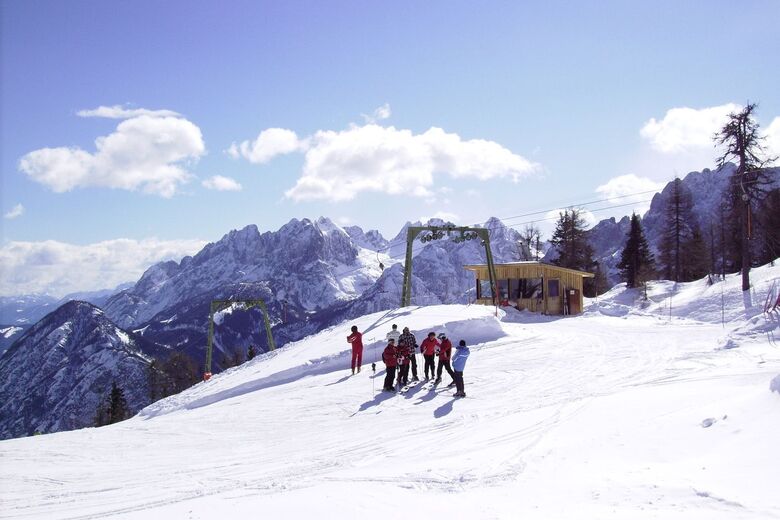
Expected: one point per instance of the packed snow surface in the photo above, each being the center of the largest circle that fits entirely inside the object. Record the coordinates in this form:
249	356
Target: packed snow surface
627	411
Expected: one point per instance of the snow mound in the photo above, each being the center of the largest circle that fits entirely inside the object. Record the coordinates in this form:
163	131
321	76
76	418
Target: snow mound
328	351
774	385
718	302
512	315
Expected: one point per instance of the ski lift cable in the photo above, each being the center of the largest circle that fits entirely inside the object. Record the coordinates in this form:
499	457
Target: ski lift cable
400	241
417	249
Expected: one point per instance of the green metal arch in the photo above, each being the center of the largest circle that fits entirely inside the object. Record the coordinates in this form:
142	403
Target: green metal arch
218	305
439	232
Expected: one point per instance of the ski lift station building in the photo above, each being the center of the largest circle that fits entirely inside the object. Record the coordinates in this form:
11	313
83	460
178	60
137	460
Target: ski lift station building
535	286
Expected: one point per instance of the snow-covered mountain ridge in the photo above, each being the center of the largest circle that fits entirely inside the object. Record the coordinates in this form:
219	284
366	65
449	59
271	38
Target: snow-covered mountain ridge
308	264
707	188
590	416
54	376
312	274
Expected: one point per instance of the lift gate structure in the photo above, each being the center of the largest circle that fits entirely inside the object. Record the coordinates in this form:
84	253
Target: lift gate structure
462	234
220	305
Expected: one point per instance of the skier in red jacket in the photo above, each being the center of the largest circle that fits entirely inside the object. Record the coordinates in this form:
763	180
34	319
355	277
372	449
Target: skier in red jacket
356	340
429	350
445	355
390	359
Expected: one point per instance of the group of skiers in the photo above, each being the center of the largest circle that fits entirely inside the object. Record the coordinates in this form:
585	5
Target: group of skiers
400	355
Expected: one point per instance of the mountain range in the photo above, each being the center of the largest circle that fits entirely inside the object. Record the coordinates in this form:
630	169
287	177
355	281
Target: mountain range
55	375
311	274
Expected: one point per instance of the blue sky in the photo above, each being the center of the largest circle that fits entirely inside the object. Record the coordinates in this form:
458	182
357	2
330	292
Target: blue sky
216	115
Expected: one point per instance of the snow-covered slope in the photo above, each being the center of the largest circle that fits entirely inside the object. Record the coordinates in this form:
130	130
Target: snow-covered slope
372	239
9	334
721	302
628	415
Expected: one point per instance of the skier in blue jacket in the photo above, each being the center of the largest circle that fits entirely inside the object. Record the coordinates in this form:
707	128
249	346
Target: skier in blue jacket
458	364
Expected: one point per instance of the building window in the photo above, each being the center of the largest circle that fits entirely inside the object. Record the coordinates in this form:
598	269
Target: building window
484	289
552	286
514	288
525	288
503	289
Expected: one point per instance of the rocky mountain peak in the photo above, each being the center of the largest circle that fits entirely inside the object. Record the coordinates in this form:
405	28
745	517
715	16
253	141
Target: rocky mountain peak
55	375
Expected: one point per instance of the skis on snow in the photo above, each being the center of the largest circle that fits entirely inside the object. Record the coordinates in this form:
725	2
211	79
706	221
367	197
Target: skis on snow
406	387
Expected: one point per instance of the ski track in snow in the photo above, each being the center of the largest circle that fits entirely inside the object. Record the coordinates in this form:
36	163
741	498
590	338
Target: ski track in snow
586	417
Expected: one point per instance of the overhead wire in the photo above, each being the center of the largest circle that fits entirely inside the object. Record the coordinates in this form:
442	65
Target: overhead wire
416	248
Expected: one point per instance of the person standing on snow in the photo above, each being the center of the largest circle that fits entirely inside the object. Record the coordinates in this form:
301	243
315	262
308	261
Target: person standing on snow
445	354
411	342
404	352
458	364
390	359
429	350
356	340
394	335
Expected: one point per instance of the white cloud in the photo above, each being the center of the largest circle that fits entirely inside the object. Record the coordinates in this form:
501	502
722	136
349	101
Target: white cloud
380	114
220	183
145	152
630	189
683	129
682	141
267	145
119	112
443	215
339	165
772	135
58	268
16	211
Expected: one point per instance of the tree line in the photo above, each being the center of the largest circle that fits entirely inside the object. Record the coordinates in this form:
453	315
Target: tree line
164	377
744	233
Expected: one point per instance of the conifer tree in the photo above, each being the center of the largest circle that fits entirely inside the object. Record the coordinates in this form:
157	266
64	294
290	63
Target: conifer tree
156	381
636	261
743	143
571	242
102	415
180	373
118	410
600	282
695	256
769	224
677	231
113	408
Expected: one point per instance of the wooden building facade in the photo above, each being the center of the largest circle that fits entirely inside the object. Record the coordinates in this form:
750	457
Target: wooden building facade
535	286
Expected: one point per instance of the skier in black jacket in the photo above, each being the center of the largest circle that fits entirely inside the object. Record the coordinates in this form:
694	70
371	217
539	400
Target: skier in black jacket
410	341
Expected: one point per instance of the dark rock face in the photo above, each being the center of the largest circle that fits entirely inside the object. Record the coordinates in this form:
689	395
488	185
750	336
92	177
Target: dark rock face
302	260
